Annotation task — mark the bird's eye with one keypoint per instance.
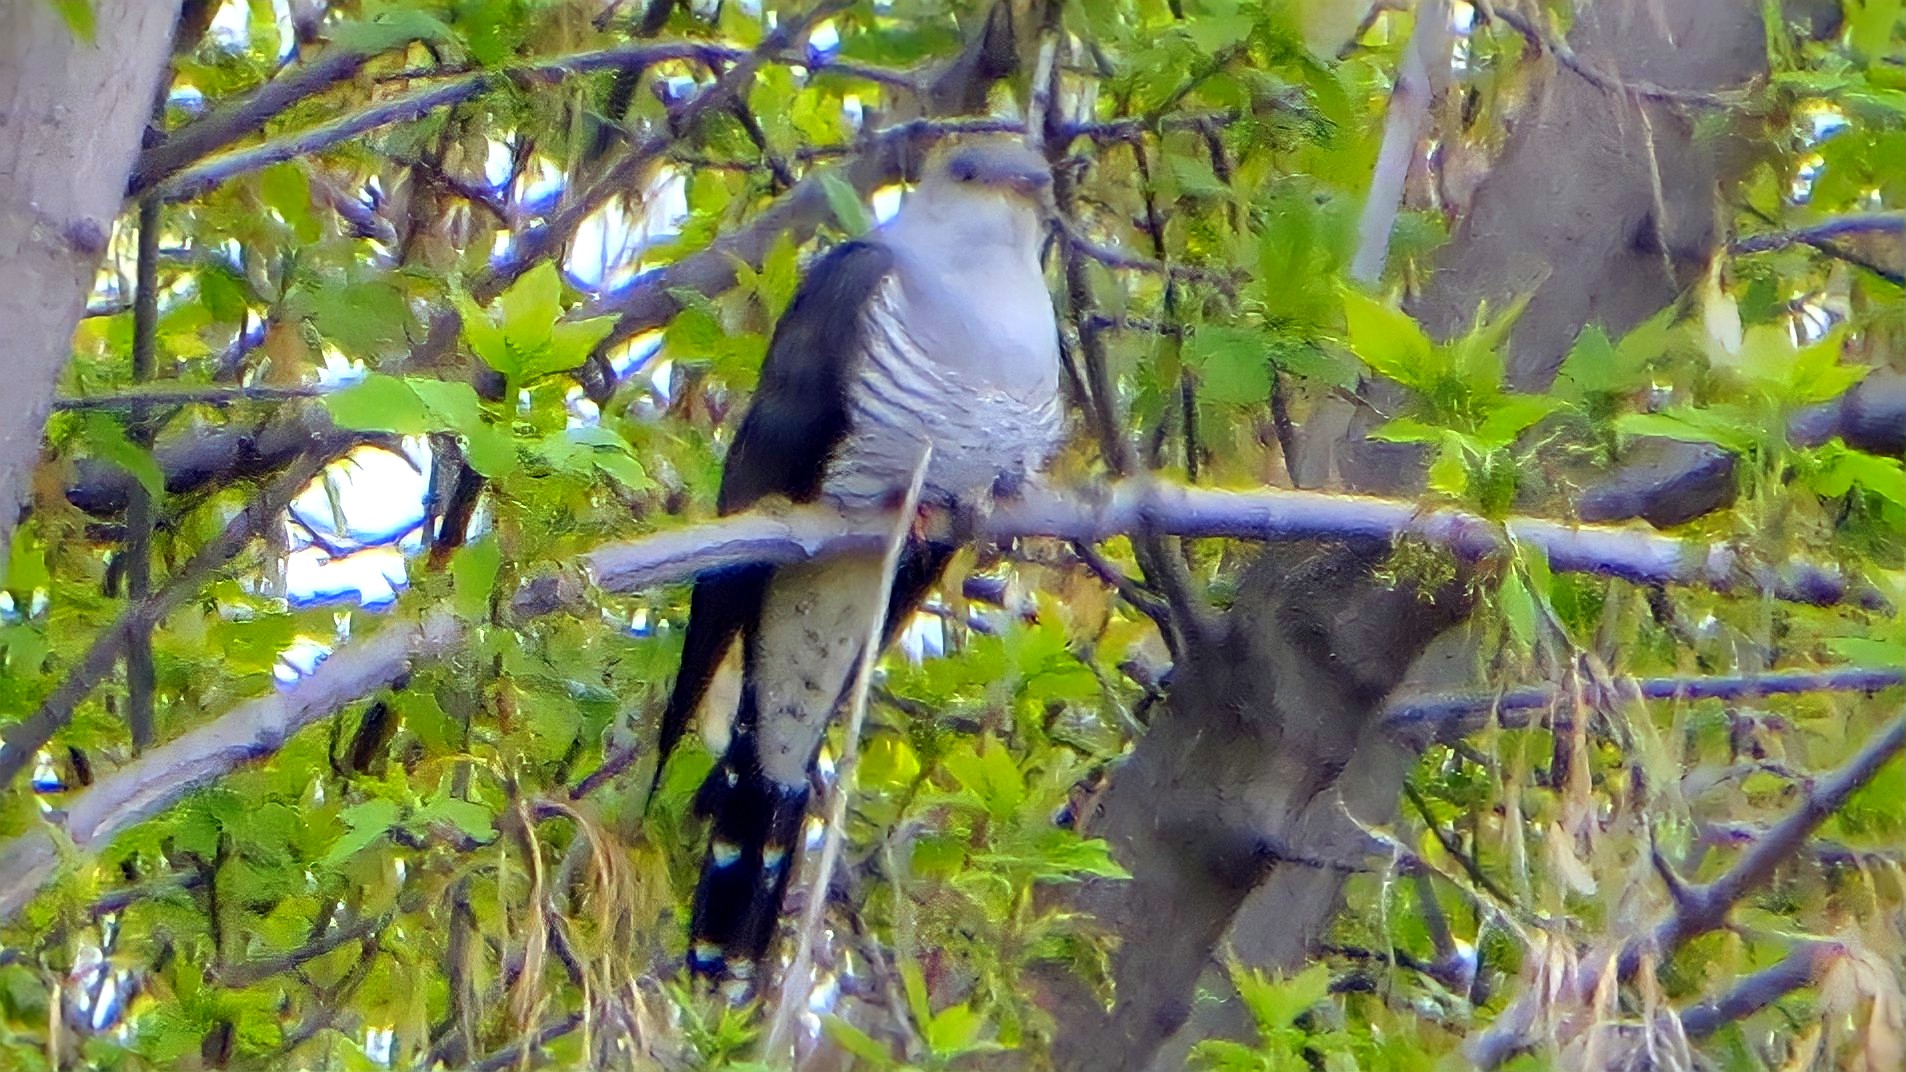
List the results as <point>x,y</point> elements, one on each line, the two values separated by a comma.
<point>965,172</point>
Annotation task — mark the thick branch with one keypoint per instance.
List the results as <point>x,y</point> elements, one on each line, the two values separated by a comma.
<point>258,728</point>
<point>1761,989</point>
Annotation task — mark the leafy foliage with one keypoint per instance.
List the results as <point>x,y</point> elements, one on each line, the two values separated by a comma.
<point>425,879</point>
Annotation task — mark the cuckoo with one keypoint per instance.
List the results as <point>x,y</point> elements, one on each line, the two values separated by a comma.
<point>931,337</point>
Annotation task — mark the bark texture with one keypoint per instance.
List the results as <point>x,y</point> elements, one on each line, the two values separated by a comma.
<point>1602,205</point>
<point>71,113</point>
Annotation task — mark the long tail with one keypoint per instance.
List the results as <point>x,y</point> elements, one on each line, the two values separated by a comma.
<point>756,827</point>
<point>757,822</point>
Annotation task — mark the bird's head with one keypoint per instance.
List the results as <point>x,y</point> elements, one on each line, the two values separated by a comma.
<point>993,189</point>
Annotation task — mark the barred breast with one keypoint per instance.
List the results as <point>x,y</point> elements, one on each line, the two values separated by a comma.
<point>904,396</point>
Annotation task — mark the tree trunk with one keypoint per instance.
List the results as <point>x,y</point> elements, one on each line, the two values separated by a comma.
<point>71,115</point>
<point>1233,805</point>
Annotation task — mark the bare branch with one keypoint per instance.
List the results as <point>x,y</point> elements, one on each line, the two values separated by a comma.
<point>1541,36</point>
<point>243,116</point>
<point>1825,230</point>
<point>22,740</point>
<point>185,396</point>
<point>1761,989</point>
<point>1428,720</point>
<point>254,729</point>
<point>258,728</point>
<point>1705,908</point>
<point>187,182</point>
<point>1403,127</point>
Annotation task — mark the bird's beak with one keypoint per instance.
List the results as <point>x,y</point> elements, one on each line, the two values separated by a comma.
<point>1032,184</point>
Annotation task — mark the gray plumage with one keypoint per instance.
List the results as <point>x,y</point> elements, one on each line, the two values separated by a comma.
<point>934,329</point>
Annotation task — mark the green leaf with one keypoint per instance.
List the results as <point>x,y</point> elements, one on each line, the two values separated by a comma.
<point>471,819</point>
<point>1232,363</point>
<point>367,822</point>
<point>529,309</point>
<point>1276,1005</point>
<point>107,440</point>
<point>286,190</point>
<point>473,574</point>
<point>1312,362</point>
<point>1409,430</point>
<point>988,775</point>
<point>1514,415</point>
<point>954,1029</point>
<point>78,16</point>
<point>914,981</point>
<point>362,318</point>
<point>485,338</point>
<point>490,451</point>
<point>1449,473</point>
<point>857,1042</point>
<point>393,27</point>
<point>451,405</point>
<point>1518,609</point>
<point>849,211</point>
<point>1691,425</point>
<point>379,403</point>
<point>1884,477</point>
<point>1591,362</point>
<point>624,469</point>
<point>1195,177</point>
<point>570,343</point>
<point>1389,341</point>
<point>1215,33</point>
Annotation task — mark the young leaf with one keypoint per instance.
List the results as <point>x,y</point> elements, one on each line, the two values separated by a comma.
<point>379,403</point>
<point>856,1042</point>
<point>473,573</point>
<point>1389,341</point>
<point>367,822</point>
<point>846,205</point>
<point>1232,364</point>
<point>109,443</point>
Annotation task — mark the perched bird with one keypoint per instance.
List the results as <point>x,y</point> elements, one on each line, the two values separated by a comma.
<point>934,329</point>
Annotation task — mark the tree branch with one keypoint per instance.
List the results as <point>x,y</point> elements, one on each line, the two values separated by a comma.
<point>1825,230</point>
<point>1761,989</point>
<point>1702,909</point>
<point>795,534</point>
<point>254,729</point>
<point>1423,721</point>
<point>187,182</point>
<point>245,115</point>
<point>210,395</point>
<point>22,740</point>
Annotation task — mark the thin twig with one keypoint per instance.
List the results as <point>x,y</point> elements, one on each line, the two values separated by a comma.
<point>185,396</point>
<point>1855,223</point>
<point>532,248</point>
<point>187,182</point>
<point>1428,720</point>
<point>1555,45</point>
<point>141,501</point>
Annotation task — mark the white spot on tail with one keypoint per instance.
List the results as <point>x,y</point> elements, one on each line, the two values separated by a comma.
<point>723,852</point>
